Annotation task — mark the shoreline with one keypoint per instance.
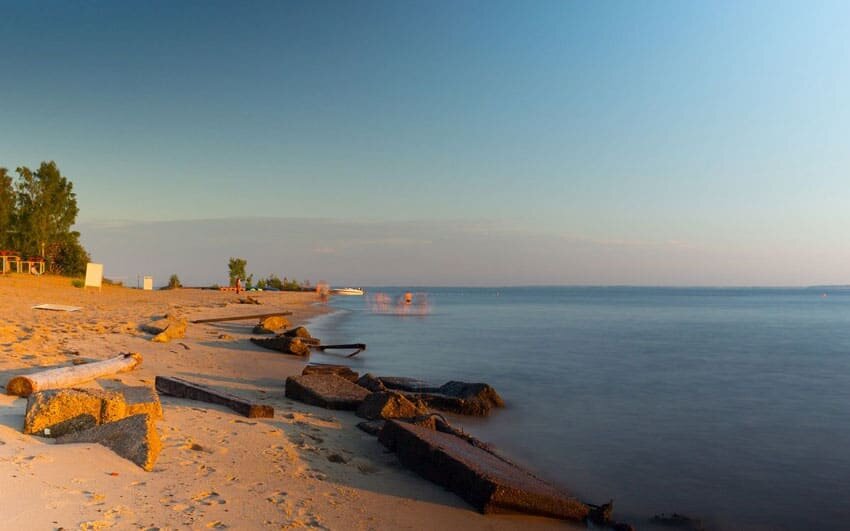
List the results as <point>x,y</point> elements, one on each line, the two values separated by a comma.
<point>217,469</point>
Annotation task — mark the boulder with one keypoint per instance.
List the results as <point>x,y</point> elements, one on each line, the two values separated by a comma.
<point>134,438</point>
<point>325,390</point>
<point>462,398</point>
<point>340,370</point>
<point>372,427</point>
<point>270,325</point>
<point>61,411</point>
<point>409,385</point>
<point>388,405</point>
<point>298,331</point>
<point>166,329</point>
<point>485,481</point>
<point>372,383</point>
<point>142,399</point>
<point>287,345</point>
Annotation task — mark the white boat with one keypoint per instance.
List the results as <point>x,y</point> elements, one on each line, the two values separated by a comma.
<point>347,291</point>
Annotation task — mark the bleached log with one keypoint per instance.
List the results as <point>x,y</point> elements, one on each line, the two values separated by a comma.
<point>63,377</point>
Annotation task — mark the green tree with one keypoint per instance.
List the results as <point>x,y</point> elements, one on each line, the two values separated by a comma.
<point>7,208</point>
<point>174,282</point>
<point>46,211</point>
<point>237,270</point>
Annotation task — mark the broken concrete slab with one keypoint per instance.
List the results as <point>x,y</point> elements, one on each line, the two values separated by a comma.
<point>325,368</point>
<point>166,329</point>
<point>134,438</point>
<point>56,412</point>
<point>408,385</point>
<point>287,345</point>
<point>462,398</point>
<point>193,391</point>
<point>485,481</point>
<point>325,390</point>
<point>142,399</point>
<point>372,427</point>
<point>389,405</point>
<point>372,383</point>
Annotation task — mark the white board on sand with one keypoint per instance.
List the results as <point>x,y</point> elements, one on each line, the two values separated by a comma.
<point>94,275</point>
<point>57,308</point>
<point>147,283</point>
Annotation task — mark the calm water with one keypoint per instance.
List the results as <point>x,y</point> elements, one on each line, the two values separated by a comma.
<point>731,405</point>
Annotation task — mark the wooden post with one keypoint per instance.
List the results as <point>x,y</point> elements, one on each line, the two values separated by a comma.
<point>68,376</point>
<point>239,317</point>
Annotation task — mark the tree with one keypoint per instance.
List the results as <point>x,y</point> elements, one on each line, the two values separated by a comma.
<point>7,207</point>
<point>237,270</point>
<point>46,211</point>
<point>174,282</point>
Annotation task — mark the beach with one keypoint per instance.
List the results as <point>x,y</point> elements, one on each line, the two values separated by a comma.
<point>305,468</point>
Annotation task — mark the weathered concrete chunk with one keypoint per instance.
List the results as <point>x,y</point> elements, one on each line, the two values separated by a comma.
<point>409,385</point>
<point>270,325</point>
<point>372,427</point>
<point>486,482</point>
<point>372,383</point>
<point>287,345</point>
<point>462,398</point>
<point>388,405</point>
<point>340,370</point>
<point>325,390</point>
<point>194,391</point>
<point>166,329</point>
<point>142,399</point>
<point>134,438</point>
<point>61,411</point>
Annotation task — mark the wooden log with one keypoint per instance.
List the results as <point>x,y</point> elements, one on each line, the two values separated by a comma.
<point>360,347</point>
<point>239,317</point>
<point>62,377</point>
<point>185,389</point>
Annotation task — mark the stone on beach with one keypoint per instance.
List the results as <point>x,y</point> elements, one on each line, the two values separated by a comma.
<point>388,405</point>
<point>488,483</point>
<point>287,345</point>
<point>62,411</point>
<point>462,398</point>
<point>298,331</point>
<point>372,383</point>
<point>409,385</point>
<point>325,390</point>
<point>271,325</point>
<point>142,399</point>
<point>134,438</point>
<point>166,329</point>
<point>340,370</point>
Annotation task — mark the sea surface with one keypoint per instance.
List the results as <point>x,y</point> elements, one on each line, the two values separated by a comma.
<point>727,405</point>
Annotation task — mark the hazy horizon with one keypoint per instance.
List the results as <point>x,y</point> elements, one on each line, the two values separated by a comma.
<point>421,253</point>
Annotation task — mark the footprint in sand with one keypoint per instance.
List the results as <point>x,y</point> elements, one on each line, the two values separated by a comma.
<point>209,498</point>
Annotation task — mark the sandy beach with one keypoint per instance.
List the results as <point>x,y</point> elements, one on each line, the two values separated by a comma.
<point>306,467</point>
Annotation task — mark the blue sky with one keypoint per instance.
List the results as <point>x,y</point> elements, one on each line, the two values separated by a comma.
<point>717,126</point>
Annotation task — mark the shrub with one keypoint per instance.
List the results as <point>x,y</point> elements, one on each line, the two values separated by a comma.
<point>78,283</point>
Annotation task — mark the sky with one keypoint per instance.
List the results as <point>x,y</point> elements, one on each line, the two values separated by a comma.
<point>450,143</point>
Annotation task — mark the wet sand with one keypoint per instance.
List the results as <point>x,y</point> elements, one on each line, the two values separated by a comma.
<point>305,468</point>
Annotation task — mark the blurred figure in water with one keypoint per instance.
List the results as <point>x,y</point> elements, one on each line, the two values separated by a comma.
<point>408,304</point>
<point>323,289</point>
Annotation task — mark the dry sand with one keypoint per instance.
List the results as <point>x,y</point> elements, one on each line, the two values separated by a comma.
<point>306,467</point>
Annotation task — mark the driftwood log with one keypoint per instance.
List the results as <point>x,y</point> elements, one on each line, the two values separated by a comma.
<point>240,317</point>
<point>185,389</point>
<point>62,377</point>
<point>359,347</point>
